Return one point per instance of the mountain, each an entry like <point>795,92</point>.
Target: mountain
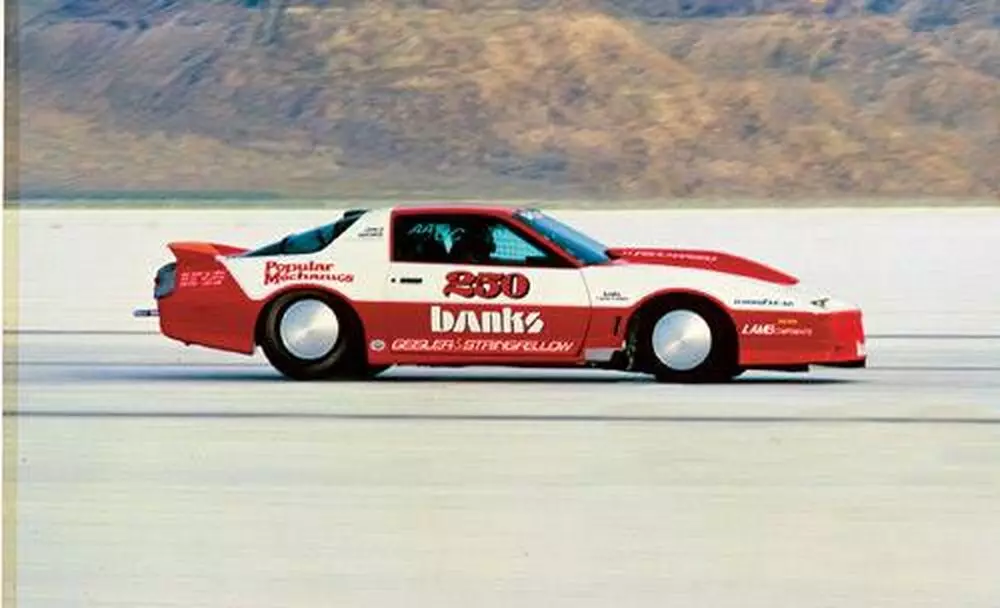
<point>616,98</point>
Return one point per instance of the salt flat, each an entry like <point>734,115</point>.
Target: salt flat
<point>154,475</point>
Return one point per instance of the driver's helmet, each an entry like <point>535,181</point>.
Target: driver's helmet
<point>473,242</point>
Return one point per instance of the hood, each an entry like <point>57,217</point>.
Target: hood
<point>715,261</point>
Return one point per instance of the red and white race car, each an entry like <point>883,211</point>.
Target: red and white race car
<point>459,285</point>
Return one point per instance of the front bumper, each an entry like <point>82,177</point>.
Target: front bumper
<point>844,339</point>
<point>773,340</point>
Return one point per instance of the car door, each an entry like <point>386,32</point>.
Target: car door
<point>518,299</point>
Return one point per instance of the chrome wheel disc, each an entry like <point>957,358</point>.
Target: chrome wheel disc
<point>682,340</point>
<point>309,329</point>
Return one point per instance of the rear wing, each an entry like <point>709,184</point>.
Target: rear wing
<point>190,255</point>
<point>194,251</point>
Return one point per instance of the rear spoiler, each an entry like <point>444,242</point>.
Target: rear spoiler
<point>188,251</point>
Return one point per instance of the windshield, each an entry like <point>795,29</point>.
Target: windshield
<point>310,241</point>
<point>570,240</point>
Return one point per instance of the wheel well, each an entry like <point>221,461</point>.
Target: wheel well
<point>695,301</point>
<point>341,303</point>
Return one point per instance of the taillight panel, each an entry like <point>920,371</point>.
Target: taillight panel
<point>166,281</point>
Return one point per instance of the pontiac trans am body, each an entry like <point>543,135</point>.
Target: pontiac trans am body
<point>458,285</point>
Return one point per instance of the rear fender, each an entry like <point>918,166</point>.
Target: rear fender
<point>201,303</point>
<point>302,287</point>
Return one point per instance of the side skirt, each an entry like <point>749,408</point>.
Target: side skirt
<point>777,368</point>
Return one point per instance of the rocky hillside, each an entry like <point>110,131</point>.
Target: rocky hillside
<point>761,98</point>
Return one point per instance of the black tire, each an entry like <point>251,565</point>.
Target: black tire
<point>719,365</point>
<point>372,371</point>
<point>344,360</point>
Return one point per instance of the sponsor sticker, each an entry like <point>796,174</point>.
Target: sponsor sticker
<point>371,232</point>
<point>423,229</point>
<point>503,321</point>
<point>766,302</point>
<point>201,278</point>
<point>486,285</point>
<point>377,345</point>
<point>669,255</point>
<point>276,273</point>
<point>611,296</point>
<point>482,345</point>
<point>774,329</point>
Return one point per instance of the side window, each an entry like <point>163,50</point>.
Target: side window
<point>417,239</point>
<point>512,249</point>
<point>465,239</point>
<point>309,241</point>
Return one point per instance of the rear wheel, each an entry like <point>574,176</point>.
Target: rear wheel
<point>312,336</point>
<point>686,339</point>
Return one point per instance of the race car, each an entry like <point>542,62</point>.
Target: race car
<point>465,284</point>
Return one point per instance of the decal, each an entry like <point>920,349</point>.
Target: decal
<point>487,285</point>
<point>371,232</point>
<point>763,302</point>
<point>377,345</point>
<point>424,229</point>
<point>668,255</point>
<point>201,278</point>
<point>503,321</point>
<point>611,296</point>
<point>284,272</point>
<point>773,329</point>
<point>482,345</point>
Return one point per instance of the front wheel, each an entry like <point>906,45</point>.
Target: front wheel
<point>310,336</point>
<point>687,341</point>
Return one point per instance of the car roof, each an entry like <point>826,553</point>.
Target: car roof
<point>491,208</point>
